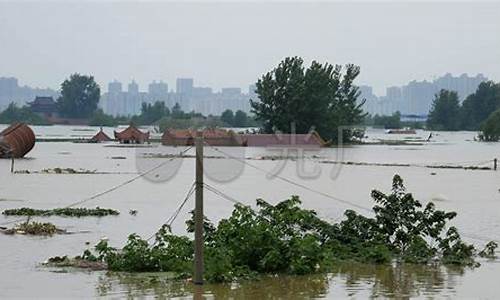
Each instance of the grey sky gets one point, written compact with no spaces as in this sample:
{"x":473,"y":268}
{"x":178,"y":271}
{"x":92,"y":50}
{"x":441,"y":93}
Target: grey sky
{"x":232,"y":44}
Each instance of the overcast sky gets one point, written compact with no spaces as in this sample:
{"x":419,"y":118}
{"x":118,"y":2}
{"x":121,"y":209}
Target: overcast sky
{"x":232,"y":44}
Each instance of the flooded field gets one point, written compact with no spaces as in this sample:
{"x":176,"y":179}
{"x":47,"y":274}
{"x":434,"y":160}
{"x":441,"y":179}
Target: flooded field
{"x":473,"y":194}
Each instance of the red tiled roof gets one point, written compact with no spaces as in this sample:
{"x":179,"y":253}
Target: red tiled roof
{"x":100,"y":137}
{"x":219,"y":137}
{"x":132,"y":133}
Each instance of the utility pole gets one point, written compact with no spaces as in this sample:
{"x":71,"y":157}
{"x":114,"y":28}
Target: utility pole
{"x":198,"y":212}
{"x":495,"y":162}
{"x":12,"y":163}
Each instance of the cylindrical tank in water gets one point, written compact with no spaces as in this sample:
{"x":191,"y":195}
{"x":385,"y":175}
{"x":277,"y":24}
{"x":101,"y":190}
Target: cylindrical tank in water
{"x":16,"y":141}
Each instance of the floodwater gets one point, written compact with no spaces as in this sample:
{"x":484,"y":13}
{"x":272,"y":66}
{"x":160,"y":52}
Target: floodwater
{"x":331,"y":189}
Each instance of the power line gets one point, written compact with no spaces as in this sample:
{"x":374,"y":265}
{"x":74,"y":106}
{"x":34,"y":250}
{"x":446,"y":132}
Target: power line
{"x":224,"y":195}
{"x":229,"y":198}
{"x":114,"y":188}
{"x":291,"y":181}
{"x":175,"y":214}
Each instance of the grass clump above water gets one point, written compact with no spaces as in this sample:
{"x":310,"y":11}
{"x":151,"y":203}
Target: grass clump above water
{"x":66,"y":212}
{"x":287,"y":239}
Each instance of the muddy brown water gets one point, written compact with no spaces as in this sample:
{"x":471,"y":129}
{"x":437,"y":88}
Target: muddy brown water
{"x":474,"y":195}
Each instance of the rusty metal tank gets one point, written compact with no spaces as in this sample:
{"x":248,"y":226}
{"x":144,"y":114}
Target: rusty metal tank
{"x":16,"y":141}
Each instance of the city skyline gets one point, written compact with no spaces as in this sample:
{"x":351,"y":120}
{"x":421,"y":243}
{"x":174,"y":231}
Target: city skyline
{"x":125,"y":98}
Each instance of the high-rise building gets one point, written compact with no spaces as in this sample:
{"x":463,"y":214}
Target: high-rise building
{"x":133,"y":87}
{"x":115,"y":87}
{"x":463,"y":85}
{"x":10,"y":91}
{"x":231,"y":91}
{"x":158,"y":90}
{"x":416,"y":97}
{"x":184,"y":86}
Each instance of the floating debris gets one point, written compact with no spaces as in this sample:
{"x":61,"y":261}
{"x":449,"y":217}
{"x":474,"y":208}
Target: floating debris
{"x":10,"y":200}
{"x":66,"y":212}
{"x":77,"y":262}
{"x":68,"y":171}
{"x":34,"y":228}
{"x":16,"y":141}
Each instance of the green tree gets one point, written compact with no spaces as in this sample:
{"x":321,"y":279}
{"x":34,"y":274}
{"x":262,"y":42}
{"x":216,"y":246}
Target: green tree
{"x":490,"y":129}
{"x":177,"y":111}
{"x":477,"y":107}
{"x":23,"y":114}
{"x":227,"y":117}
{"x":445,"y":111}
{"x":392,"y":122}
{"x":79,"y":96}
{"x":151,"y":113}
{"x":319,"y":97}
{"x":240,"y":119}
{"x":99,"y":118}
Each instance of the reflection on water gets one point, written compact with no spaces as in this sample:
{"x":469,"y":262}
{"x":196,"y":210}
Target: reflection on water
{"x":401,"y":281}
{"x":346,"y":279}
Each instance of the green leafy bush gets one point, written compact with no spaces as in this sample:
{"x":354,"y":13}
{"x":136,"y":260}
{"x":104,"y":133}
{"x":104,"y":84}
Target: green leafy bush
{"x":490,"y":128}
{"x":287,"y":239}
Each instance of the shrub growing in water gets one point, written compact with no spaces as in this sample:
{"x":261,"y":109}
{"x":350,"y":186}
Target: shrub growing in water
{"x":66,"y":212}
{"x":34,"y":228}
{"x":490,"y":129}
{"x":285,"y":238}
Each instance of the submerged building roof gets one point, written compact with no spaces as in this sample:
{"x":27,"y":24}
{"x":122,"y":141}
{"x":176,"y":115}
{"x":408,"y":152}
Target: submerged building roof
{"x":132,"y":135}
{"x":282,"y":139}
{"x":43,"y":105}
{"x":221,"y":137}
{"x":101,"y":136}
{"x":185,"y":137}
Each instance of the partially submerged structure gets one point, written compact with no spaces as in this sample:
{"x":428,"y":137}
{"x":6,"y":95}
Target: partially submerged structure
{"x":221,"y":137}
{"x":45,"y":107}
{"x":132,"y":135}
{"x":214,"y":137}
{"x":100,"y":137}
{"x":312,"y":139}
{"x":16,"y":141}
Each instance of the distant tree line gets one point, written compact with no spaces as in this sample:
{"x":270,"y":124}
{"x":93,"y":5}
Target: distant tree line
{"x":13,"y":114}
{"x":478,"y":112}
{"x":387,"y":122}
{"x":239,"y":119}
{"x":391,"y":122}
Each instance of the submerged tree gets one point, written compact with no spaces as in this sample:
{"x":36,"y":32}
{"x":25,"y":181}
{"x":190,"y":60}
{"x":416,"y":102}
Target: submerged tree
{"x":227,"y":117}
{"x":151,"y":113}
{"x":445,"y":111}
{"x":490,"y":129}
{"x":79,"y":96}
{"x":13,"y":114}
{"x":320,"y":97}
{"x":477,"y":107}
